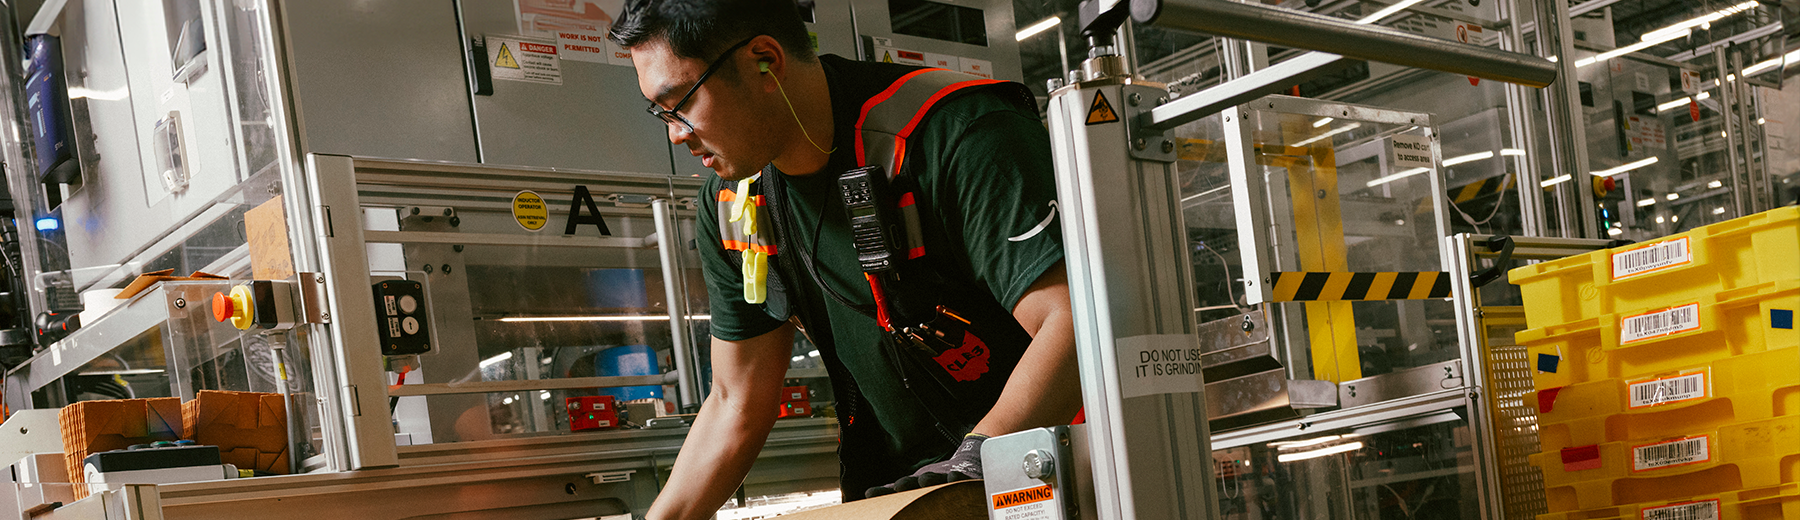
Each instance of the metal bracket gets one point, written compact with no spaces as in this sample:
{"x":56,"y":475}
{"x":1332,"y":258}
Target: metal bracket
{"x":1146,"y":143}
{"x":311,"y":300}
{"x":630,"y":200}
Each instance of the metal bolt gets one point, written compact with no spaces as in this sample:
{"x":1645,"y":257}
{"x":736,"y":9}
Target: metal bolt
{"x":180,"y":303}
{"x":1134,"y":99}
{"x":446,"y":212}
{"x":1248,"y":325}
{"x":458,"y":248}
{"x":1039,"y":464}
{"x":569,"y":488}
{"x":325,"y":317}
{"x":1168,"y":146}
{"x":1162,"y":100}
{"x":427,"y":268}
{"x":23,"y":430}
{"x":1321,"y":194}
{"x":455,"y":221}
{"x":1351,"y":389}
{"x":446,"y":268}
{"x":1139,"y":144}
{"x":415,"y":210}
{"x":320,"y":279}
{"x":1228,"y":119}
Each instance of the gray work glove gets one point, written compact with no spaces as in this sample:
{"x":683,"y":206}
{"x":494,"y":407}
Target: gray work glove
{"x":964,"y":464}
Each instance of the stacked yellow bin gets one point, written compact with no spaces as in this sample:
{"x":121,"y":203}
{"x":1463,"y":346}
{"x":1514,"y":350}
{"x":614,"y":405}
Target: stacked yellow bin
{"x":1668,"y":374}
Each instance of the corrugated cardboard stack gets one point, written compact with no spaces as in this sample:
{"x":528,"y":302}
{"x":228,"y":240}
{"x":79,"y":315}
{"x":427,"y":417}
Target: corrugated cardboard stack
{"x":249,"y":428}
{"x":95,"y":426}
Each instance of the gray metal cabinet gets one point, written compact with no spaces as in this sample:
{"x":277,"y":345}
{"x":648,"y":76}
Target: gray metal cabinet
{"x":380,"y":79}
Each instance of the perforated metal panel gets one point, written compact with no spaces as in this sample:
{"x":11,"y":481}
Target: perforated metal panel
{"x":1515,"y":422}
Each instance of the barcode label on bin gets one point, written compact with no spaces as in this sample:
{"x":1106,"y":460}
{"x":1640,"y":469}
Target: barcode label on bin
{"x":1668,"y":390}
{"x":1691,"y":450}
{"x":1653,"y":257}
{"x":1702,"y":510}
{"x":1660,"y":323}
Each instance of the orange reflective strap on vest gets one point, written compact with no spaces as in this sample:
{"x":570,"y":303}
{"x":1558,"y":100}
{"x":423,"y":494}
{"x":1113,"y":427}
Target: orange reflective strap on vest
{"x":890,"y":117}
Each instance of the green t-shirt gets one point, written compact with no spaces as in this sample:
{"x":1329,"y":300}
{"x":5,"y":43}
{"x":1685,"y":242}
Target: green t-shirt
{"x":986,"y":181}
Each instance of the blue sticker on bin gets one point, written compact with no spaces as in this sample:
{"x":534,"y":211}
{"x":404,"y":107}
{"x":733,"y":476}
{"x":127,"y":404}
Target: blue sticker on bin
{"x":1781,"y":318}
{"x":1547,"y":362}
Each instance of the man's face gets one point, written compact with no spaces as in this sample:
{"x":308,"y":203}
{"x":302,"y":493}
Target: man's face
{"x":725,"y":130}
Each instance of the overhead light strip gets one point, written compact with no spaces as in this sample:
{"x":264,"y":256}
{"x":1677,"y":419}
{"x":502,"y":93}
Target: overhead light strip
{"x":1038,"y":28}
{"x":1625,"y":167}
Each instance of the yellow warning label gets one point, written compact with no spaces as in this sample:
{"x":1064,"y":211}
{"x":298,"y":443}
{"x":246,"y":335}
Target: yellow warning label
{"x":506,"y":58}
{"x":887,"y":57}
{"x":1101,"y":111}
{"x":528,"y":209}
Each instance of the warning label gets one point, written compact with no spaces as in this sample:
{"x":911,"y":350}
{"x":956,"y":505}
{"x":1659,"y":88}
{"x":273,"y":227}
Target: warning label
{"x":901,"y":56}
{"x":1158,"y":364}
{"x":1411,"y":151}
{"x":513,"y":59}
{"x":1101,"y":111}
{"x":1033,"y":503}
{"x":529,"y":211}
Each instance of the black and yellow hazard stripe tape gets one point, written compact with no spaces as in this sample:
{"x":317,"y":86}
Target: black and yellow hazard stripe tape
{"x":1482,"y":188}
{"x":1325,"y":287}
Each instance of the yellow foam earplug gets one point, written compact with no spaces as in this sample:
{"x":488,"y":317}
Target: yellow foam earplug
{"x":756,"y":273}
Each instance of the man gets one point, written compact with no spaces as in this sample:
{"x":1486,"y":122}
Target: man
{"x":739,"y":86}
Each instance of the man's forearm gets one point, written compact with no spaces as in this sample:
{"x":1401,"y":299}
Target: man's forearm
{"x":1039,"y":393}
{"x":718,"y":452}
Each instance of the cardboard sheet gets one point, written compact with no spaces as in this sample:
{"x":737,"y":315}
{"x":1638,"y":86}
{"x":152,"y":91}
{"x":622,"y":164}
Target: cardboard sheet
{"x":964,"y":500}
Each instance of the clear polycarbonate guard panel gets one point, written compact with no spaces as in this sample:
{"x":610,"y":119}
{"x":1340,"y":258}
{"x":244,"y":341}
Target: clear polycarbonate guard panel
{"x":1419,"y":467}
{"x":521,"y":320}
{"x":1351,"y":189}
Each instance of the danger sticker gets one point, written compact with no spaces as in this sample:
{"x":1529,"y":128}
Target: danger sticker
{"x":1698,"y":510}
{"x":1668,"y":390}
{"x":1657,"y":324}
{"x":1679,"y":452}
{"x":513,"y":59}
{"x":529,"y":211}
{"x":1158,"y":364}
{"x":1651,"y":258}
{"x":1033,"y":503}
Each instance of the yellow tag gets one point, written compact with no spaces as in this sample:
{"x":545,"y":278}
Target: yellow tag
{"x":529,"y":211}
{"x":756,"y":273}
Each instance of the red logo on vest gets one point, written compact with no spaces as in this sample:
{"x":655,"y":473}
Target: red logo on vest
{"x":968,"y":362}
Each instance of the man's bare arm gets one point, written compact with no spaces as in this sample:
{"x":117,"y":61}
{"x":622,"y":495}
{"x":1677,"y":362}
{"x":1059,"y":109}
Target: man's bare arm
{"x":734,"y":423}
{"x":1042,"y":391}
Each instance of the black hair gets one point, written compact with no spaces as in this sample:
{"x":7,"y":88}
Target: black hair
{"x":700,"y":29}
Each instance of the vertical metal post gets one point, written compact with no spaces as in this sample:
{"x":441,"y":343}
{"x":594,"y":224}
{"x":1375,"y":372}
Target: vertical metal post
{"x":668,"y":241}
{"x":1131,"y":292}
{"x":1518,"y":114}
{"x":1249,"y":203}
{"x":1575,"y":202}
{"x":1062,"y":49}
{"x":1757,"y":186}
{"x":1739,"y":188}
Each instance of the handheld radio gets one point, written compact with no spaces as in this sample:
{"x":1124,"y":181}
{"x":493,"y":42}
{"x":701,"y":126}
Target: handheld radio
{"x":872,"y":220}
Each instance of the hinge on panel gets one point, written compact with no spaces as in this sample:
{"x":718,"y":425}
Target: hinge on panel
{"x":355,"y":404}
{"x":312,"y":299}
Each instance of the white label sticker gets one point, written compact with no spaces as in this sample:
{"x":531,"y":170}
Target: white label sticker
{"x":1692,"y":450}
{"x":1158,"y":364}
{"x":1660,"y":323}
{"x":1653,"y":257}
{"x":582,"y":45}
{"x":1032,"y":503}
{"x":1701,"y":510}
{"x":1411,"y":151}
{"x":900,"y":56}
{"x":388,"y":301}
{"x":1690,"y":82}
{"x":513,"y":59}
{"x":977,"y":67}
{"x":1668,"y":390}
{"x":393,"y":327}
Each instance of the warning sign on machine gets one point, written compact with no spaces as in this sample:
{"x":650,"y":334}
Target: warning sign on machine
{"x":514,"y":59}
{"x":1158,"y":364}
{"x":529,"y":211}
{"x":1033,"y":503}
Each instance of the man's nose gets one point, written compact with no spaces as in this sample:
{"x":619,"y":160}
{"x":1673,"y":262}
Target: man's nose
{"x":678,"y":134}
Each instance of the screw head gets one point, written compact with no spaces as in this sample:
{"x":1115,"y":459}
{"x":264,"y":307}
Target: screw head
{"x":446,"y":268}
{"x":325,"y":317}
{"x":1248,"y":325}
{"x":427,"y":268}
{"x":1162,"y":100}
{"x":1140,"y":144}
{"x":446,"y":212}
{"x":1039,"y":464}
{"x":180,"y":303}
{"x":1134,"y":99}
{"x":1168,"y":147}
{"x":458,"y":248}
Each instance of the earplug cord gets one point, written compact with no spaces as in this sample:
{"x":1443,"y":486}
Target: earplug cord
{"x":790,"y":104}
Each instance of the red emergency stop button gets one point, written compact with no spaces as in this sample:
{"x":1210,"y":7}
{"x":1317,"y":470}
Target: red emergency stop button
{"x":221,"y":307}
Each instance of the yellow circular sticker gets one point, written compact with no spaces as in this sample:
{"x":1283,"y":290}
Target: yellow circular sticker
{"x":529,"y":211}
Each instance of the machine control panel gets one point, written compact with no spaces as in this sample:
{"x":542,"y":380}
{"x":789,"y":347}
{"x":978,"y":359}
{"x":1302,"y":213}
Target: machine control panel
{"x":400,"y":317}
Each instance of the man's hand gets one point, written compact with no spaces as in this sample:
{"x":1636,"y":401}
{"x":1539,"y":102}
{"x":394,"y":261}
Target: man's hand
{"x":964,"y":464}
{"x":731,"y":427}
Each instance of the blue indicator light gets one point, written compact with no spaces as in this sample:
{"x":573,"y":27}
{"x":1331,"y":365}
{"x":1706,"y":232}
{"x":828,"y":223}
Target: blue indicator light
{"x":48,"y":224}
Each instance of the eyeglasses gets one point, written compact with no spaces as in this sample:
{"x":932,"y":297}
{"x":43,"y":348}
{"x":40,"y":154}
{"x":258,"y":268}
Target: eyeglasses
{"x":669,"y":116}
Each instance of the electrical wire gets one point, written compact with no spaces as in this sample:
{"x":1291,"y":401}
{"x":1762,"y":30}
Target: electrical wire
{"x":1229,"y":293}
{"x":790,"y":105}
